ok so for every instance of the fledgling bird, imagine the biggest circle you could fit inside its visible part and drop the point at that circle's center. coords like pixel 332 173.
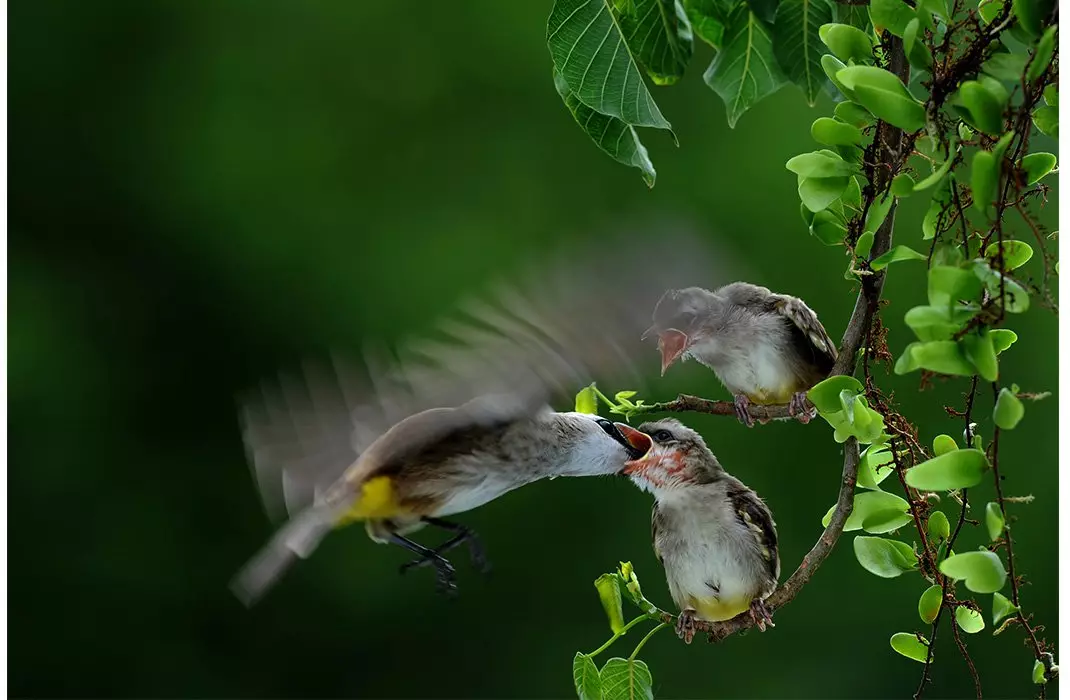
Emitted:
pixel 451 424
pixel 715 537
pixel 765 347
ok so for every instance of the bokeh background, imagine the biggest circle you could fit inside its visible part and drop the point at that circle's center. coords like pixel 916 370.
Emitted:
pixel 204 192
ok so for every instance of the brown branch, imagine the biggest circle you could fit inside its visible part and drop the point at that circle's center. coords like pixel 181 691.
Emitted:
pixel 687 403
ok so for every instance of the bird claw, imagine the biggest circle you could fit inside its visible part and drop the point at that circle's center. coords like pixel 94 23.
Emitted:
pixel 760 614
pixel 742 404
pixel 800 407
pixel 445 574
pixel 685 625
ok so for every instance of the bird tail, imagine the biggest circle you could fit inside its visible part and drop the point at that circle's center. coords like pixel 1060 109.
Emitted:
pixel 297 539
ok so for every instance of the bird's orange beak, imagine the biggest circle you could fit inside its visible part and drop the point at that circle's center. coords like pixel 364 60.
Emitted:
pixel 672 344
pixel 638 440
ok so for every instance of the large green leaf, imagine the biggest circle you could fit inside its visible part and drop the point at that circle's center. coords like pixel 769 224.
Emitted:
pixel 707 19
pixel 585 677
pixel 883 94
pixel 587 42
pixel 982 570
pixel 797 45
pixel 883 557
pixel 660 35
pixel 745 70
pixel 959 469
pixel 615 138
pixel 626 679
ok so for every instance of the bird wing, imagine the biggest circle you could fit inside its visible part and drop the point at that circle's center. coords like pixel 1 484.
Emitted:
pixel 756 516
pixel 803 317
pixel 535 336
pixel 657 521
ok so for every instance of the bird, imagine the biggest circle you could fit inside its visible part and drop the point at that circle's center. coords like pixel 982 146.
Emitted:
pixel 764 347
pixel 451 421
pixel 714 536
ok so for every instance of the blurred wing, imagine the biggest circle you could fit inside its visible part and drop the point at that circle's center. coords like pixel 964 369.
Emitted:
pixel 539 335
pixel 804 318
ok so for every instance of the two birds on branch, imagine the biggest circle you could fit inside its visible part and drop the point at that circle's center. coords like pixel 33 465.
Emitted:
pixel 456 421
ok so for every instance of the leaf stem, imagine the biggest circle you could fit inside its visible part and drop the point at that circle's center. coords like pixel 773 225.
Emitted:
pixel 618 635
pixel 645 639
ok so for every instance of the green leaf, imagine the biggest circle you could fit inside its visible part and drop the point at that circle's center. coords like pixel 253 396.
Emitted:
pixel 936 176
pixel 825 395
pixel 1046 120
pixel 985 104
pixel 875 466
pixel 893 15
pixel 869 503
pixel 832 65
pixel 615 138
pixel 797 44
pixel 864 245
pixel 745 70
pixel 595 53
pixel 994 521
pixel 883 557
pixel 929 604
pixel 608 586
pixel 908 644
pixel 917 54
pixel 666 42
pixel 585 677
pixel 817 193
pixel 940 356
pixel 826 226
pixel 1003 289
pixel 707 20
pixel 854 114
pixel 1009 410
pixel 835 133
pixel 940 201
pixel 984 180
pixel 1015 253
pixel 902 185
pixel 847 43
pixel 626 679
pixel 989 9
pixel 896 254
pixel 1039 677
pixel 1033 14
pixel 982 570
pixel 1002 339
pixel 960 469
pixel 878 212
pixel 981 354
pixel 939 528
pixel 819 164
pixel 587 401
pixel 1001 607
pixel 1036 166
pixel 938 322
pixel 883 94
pixel 1051 95
pixel 854 15
pixel 1005 66
pixel 946 285
pixel 883 521
pixel 969 620
pixel 942 444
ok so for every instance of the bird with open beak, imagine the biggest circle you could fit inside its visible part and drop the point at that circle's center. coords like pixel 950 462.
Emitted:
pixel 766 348
pixel 453 423
pixel 715 537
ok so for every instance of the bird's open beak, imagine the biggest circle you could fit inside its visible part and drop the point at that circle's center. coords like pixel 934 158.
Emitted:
pixel 672 344
pixel 639 443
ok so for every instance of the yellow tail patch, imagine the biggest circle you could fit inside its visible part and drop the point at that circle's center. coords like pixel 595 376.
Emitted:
pixel 377 499
pixel 715 610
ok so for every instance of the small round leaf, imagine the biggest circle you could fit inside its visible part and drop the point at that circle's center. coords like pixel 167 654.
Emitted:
pixel 908 644
pixel 884 557
pixel 1015 253
pixel 994 521
pixel 1001 607
pixel 847 42
pixel 1036 166
pixel 969 619
pixel 825 395
pixel 942 444
pixel 850 112
pixel 1002 339
pixel 929 604
pixel 835 133
pixel 939 527
pixel 1009 410
pixel 981 353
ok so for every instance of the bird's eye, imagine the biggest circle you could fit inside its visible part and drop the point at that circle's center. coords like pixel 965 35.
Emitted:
pixel 662 436
pixel 607 426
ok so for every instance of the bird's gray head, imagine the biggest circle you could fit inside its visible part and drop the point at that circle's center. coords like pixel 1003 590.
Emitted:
pixel 680 320
pixel 678 457
pixel 596 446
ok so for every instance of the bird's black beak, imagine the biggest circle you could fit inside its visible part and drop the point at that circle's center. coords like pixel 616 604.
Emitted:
pixel 637 443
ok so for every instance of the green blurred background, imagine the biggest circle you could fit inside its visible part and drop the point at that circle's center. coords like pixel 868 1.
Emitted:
pixel 204 192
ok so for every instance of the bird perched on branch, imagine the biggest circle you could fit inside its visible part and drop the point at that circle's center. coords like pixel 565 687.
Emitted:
pixel 715 537
pixel 453 423
pixel 766 348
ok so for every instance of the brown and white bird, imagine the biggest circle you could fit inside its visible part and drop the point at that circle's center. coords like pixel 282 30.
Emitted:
pixel 715 537
pixel 453 423
pixel 766 348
